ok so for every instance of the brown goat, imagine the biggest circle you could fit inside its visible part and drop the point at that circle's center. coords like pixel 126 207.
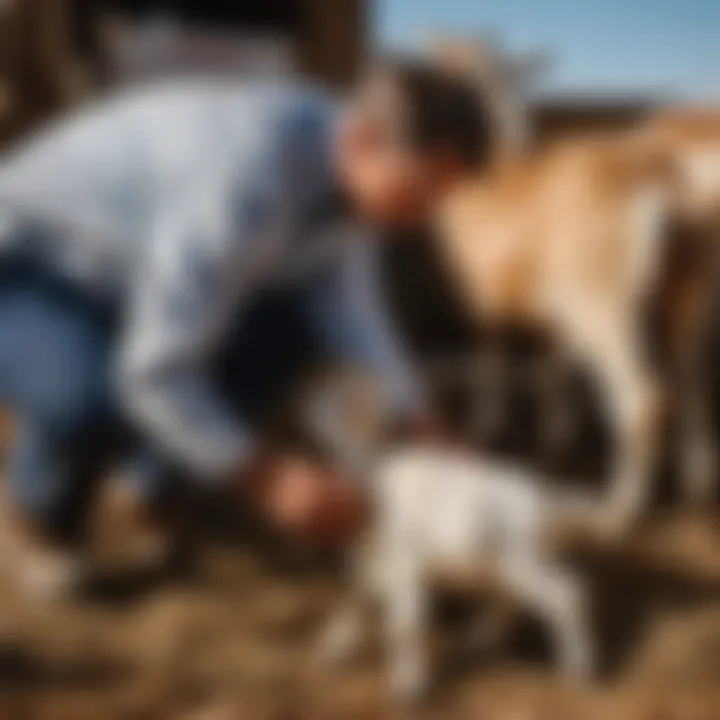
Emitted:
pixel 576 241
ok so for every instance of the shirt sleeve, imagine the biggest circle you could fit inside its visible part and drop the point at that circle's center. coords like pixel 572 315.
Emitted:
pixel 186 294
pixel 348 311
pixel 204 261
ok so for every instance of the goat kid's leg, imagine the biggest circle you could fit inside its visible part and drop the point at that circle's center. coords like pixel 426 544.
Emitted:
pixel 342 636
pixel 559 599
pixel 405 609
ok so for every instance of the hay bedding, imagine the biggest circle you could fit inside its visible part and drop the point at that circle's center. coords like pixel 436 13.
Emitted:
pixel 232 639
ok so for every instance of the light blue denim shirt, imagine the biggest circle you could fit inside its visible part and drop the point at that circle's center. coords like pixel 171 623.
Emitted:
pixel 180 202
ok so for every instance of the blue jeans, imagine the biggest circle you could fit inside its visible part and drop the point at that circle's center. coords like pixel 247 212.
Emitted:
pixel 55 351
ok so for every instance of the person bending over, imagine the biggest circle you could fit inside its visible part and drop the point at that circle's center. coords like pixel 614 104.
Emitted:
pixel 164 256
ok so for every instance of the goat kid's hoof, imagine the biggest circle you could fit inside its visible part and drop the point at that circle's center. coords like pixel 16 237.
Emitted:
pixel 579 664
pixel 339 641
pixel 409 683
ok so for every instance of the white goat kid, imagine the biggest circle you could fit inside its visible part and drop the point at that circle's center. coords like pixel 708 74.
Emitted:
pixel 439 508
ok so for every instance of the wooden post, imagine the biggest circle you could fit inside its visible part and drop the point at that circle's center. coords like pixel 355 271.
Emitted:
pixel 40 72
pixel 332 39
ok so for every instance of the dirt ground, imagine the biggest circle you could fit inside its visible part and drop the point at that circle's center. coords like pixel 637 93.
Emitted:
pixel 231 636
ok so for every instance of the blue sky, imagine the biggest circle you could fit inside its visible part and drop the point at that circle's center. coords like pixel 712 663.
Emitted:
pixel 669 47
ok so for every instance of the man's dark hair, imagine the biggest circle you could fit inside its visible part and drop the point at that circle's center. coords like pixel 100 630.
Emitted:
pixel 442 111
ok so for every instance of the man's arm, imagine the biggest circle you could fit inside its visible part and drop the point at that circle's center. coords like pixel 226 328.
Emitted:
pixel 182 306
pixel 186 292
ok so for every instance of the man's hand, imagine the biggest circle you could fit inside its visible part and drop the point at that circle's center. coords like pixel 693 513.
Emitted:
pixel 307 498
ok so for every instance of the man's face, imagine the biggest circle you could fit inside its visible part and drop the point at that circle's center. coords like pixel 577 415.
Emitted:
pixel 390 184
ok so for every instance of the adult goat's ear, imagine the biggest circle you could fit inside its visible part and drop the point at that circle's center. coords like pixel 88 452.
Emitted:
pixel 655 160
pixel 477 58
pixel 528 69
pixel 463 58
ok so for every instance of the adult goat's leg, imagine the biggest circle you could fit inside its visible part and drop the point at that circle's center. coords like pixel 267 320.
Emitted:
pixel 692 332
pixel 698 448
pixel 634 401
pixel 556 429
